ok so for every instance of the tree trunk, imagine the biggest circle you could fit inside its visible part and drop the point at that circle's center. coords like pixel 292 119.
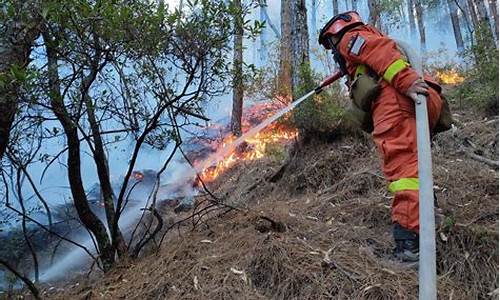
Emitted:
pixel 314 8
pixel 335 7
pixel 85 214
pixel 456 25
pixel 25 231
pixel 285 68
pixel 263 36
pixel 374 17
pixel 473 13
pixel 101 162
pixel 465 17
pixel 354 4
pixel 421 26
pixel 268 20
pixel 16 41
pixel 494 12
pixel 300 43
pixel 411 18
pixel 238 71
pixel 484 18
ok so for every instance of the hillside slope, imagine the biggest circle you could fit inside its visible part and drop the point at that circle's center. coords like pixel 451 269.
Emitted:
pixel 336 241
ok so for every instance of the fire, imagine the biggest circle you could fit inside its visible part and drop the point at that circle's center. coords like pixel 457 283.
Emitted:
pixel 137 175
pixel 254 147
pixel 450 77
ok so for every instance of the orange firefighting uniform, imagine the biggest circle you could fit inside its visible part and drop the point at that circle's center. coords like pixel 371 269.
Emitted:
pixel 393 115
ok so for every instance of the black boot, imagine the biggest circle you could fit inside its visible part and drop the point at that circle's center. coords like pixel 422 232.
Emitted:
pixel 406 244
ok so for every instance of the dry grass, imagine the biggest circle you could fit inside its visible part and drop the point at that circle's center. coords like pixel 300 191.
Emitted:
pixel 337 242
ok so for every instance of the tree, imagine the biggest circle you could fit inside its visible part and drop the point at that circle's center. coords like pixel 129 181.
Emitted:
pixel 85 214
pixel 455 21
pixel 294 45
pixel 126 65
pixel 493 4
pixel 263 35
pixel 19 29
pixel 484 19
pixel 299 42
pixel 411 17
pixel 314 11
pixel 285 66
pixel 375 9
pixel 473 13
pixel 238 70
pixel 421 25
pixel 265 18
pixel 335 7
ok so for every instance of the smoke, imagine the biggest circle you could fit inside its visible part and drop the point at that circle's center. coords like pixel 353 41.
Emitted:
pixel 176 184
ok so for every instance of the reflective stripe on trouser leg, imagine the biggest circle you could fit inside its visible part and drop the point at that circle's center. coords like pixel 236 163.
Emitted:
pixel 405 203
pixel 404 184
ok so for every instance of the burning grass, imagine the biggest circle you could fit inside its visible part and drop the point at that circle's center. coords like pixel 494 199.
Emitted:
pixel 449 76
pixel 253 148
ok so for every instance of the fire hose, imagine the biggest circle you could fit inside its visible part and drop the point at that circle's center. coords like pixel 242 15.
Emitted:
pixel 427 289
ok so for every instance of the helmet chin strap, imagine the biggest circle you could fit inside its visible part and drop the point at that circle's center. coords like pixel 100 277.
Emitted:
pixel 339 59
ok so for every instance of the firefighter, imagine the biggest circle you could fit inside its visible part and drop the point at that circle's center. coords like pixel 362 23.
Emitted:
pixel 383 86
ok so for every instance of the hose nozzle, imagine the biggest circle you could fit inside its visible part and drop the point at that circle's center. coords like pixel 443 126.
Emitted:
pixel 329 80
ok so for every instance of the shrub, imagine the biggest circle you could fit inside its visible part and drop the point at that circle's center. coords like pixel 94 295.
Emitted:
pixel 323 113
pixel 481 85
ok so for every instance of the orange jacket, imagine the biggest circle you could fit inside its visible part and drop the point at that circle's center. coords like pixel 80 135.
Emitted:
pixel 365 45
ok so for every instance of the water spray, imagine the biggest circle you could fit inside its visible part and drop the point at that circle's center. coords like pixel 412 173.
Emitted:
pixel 215 157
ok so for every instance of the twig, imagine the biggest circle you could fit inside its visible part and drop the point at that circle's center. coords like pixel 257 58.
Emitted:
pixel 157 229
pixel 26 281
pixel 53 232
pixel 492 163
pixel 481 217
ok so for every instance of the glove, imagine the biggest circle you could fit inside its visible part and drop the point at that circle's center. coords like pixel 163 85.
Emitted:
pixel 418 87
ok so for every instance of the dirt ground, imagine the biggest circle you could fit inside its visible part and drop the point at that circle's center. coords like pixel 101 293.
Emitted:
pixel 332 236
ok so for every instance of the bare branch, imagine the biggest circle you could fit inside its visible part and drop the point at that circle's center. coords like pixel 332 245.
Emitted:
pixel 34 291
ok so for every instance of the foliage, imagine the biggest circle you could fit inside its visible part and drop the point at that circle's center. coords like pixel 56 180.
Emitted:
pixel 481 85
pixel 320 115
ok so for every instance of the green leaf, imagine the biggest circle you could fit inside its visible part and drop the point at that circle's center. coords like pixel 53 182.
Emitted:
pixel 45 12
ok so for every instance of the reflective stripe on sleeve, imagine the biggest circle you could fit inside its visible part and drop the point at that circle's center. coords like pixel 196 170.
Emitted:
pixel 404 184
pixel 394 69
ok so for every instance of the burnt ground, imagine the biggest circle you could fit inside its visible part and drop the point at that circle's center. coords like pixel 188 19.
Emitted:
pixel 331 239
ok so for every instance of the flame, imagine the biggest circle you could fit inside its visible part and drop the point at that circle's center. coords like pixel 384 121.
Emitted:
pixel 254 147
pixel 137 175
pixel 450 77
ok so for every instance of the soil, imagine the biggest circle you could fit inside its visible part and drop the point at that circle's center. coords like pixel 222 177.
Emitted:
pixel 331 236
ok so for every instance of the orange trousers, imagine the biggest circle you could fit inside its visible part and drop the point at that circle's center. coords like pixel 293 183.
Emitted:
pixel 395 135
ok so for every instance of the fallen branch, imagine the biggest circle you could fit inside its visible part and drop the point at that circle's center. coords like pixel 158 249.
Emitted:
pixel 467 143
pixel 490 162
